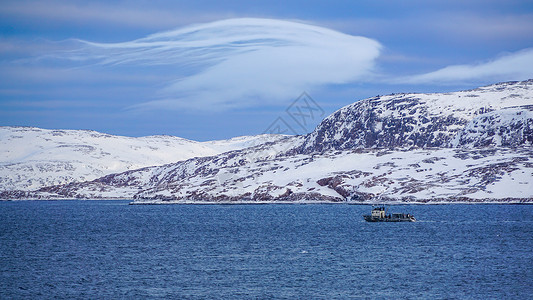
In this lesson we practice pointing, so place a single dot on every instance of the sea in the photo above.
(112, 250)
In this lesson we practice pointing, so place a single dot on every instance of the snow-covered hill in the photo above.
(473, 145)
(31, 158)
(421, 175)
(415, 120)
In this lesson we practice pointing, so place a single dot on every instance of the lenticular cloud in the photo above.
(241, 62)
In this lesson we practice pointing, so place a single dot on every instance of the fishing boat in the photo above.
(379, 214)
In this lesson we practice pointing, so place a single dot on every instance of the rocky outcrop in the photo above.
(511, 127)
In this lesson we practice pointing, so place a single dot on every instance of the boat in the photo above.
(379, 214)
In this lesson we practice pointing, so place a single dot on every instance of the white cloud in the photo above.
(513, 66)
(240, 62)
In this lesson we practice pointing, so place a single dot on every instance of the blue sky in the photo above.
(210, 69)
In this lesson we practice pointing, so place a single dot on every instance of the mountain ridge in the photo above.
(33, 157)
(473, 146)
(412, 119)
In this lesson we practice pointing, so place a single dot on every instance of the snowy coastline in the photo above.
(466, 146)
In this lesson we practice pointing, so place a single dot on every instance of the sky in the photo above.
(206, 70)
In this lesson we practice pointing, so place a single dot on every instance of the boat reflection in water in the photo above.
(379, 214)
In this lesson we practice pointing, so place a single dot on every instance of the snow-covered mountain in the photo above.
(446, 174)
(474, 145)
(32, 158)
(417, 120)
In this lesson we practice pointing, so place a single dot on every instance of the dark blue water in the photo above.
(94, 249)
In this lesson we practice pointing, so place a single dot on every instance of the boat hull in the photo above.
(369, 218)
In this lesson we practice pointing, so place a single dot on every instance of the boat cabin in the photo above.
(378, 212)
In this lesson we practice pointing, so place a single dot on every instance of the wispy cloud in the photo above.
(240, 62)
(512, 66)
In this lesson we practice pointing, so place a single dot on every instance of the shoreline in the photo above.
(328, 202)
(186, 202)
(512, 201)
